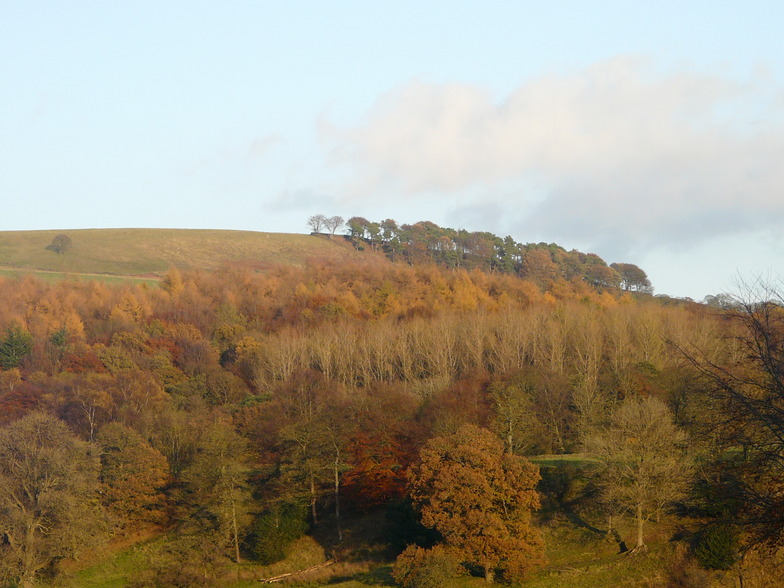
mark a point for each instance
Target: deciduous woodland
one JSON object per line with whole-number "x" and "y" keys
{"x": 225, "y": 415}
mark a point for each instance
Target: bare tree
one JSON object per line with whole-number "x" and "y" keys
{"x": 333, "y": 223}
{"x": 745, "y": 401}
{"x": 317, "y": 221}
{"x": 643, "y": 460}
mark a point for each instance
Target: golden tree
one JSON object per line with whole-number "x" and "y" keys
{"x": 480, "y": 498}
{"x": 48, "y": 497}
{"x": 133, "y": 475}
{"x": 644, "y": 460}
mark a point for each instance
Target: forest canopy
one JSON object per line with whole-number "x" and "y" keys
{"x": 234, "y": 411}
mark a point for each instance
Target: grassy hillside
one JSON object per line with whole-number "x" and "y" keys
{"x": 151, "y": 252}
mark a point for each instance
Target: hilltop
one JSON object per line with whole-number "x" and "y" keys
{"x": 151, "y": 252}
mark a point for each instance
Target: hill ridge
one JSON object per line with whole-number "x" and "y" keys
{"x": 152, "y": 251}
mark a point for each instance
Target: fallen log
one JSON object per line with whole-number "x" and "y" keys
{"x": 282, "y": 577}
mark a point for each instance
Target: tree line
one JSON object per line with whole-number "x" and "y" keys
{"x": 426, "y": 242}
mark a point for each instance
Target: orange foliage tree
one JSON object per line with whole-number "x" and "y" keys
{"x": 480, "y": 499}
{"x": 133, "y": 475}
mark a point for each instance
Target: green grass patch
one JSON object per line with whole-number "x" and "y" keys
{"x": 50, "y": 276}
{"x": 558, "y": 460}
{"x": 116, "y": 570}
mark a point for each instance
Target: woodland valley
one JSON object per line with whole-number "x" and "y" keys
{"x": 397, "y": 406}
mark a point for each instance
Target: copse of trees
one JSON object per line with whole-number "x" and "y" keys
{"x": 318, "y": 222}
{"x": 426, "y": 242}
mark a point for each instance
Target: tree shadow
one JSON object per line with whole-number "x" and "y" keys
{"x": 381, "y": 576}
{"x": 567, "y": 492}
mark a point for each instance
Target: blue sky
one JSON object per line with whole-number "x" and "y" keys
{"x": 649, "y": 133}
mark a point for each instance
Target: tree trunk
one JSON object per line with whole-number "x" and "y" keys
{"x": 510, "y": 437}
{"x": 29, "y": 567}
{"x": 489, "y": 575}
{"x": 640, "y": 521}
{"x": 235, "y": 530}
{"x": 337, "y": 500}
{"x": 313, "y": 512}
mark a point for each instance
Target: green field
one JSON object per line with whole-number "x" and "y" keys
{"x": 148, "y": 253}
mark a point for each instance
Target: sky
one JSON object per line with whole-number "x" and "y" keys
{"x": 645, "y": 132}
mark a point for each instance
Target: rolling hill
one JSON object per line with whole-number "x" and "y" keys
{"x": 149, "y": 253}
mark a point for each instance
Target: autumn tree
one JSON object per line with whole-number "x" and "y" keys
{"x": 644, "y": 464}
{"x": 538, "y": 266}
{"x": 133, "y": 475}
{"x": 515, "y": 420}
{"x": 602, "y": 276}
{"x": 217, "y": 480}
{"x": 84, "y": 402}
{"x": 304, "y": 453}
{"x": 632, "y": 277}
{"x": 315, "y": 442}
{"x": 357, "y": 227}
{"x": 480, "y": 498}
{"x": 49, "y": 506}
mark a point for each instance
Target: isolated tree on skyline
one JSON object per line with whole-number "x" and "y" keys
{"x": 317, "y": 221}
{"x": 333, "y": 223}
{"x": 60, "y": 244}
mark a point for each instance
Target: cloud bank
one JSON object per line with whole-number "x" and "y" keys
{"x": 613, "y": 156}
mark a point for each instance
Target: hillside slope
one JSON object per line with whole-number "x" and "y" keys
{"x": 135, "y": 252}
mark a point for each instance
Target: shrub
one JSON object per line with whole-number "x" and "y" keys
{"x": 426, "y": 568}
{"x": 716, "y": 548}
{"x": 274, "y": 531}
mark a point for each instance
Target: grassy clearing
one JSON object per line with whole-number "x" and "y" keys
{"x": 581, "y": 556}
{"x": 113, "y": 566}
{"x": 578, "y": 556}
{"x": 580, "y": 551}
{"x": 578, "y": 460}
{"x": 50, "y": 276}
{"x": 149, "y": 253}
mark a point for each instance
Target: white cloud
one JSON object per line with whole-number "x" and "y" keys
{"x": 613, "y": 156}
